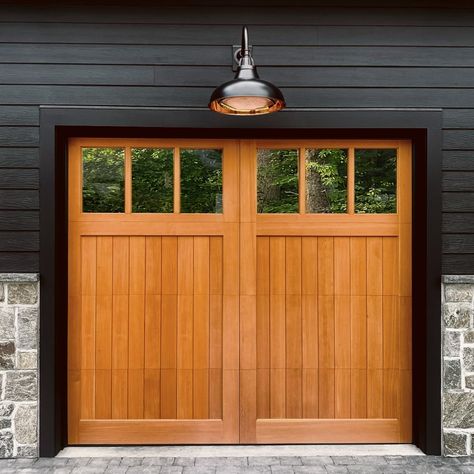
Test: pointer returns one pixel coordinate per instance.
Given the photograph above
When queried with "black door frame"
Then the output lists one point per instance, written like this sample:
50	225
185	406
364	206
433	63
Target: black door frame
422	126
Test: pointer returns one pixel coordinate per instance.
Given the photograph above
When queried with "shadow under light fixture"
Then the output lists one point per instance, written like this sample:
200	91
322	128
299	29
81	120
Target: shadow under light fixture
246	94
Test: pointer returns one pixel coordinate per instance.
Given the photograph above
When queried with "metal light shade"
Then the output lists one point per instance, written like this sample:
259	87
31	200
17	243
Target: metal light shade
246	94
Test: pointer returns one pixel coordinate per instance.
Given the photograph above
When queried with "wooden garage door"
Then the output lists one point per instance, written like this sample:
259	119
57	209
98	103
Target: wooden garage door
153	292
239	291
325	292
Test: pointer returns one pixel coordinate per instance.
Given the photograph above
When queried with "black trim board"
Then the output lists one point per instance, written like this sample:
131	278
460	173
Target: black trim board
423	127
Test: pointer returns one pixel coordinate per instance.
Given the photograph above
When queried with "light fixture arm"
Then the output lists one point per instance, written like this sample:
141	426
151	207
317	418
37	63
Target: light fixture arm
243	56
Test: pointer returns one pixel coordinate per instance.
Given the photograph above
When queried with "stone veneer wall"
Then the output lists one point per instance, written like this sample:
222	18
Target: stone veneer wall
458	365
19	295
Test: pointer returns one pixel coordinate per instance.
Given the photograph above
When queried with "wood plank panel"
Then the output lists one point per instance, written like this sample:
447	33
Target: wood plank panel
324	337
390	267
328	431
310	393
325	266
294	339
277	328
185	328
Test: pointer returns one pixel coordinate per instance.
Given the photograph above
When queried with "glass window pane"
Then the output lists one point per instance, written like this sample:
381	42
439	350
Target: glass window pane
375	181
326	180
201	180
152	180
103	181
277	181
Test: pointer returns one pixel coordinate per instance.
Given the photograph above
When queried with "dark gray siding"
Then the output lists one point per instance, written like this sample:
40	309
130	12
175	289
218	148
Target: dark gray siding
151	56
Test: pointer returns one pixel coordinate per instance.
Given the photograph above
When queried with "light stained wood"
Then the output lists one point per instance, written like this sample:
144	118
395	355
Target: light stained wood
342	395
238	327
118	432
328	431
310	393
103	391
342	332
326	332
374	266
375	393
153	302
326	266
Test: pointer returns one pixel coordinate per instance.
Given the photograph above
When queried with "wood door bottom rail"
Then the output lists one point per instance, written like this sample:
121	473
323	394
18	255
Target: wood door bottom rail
328	431
152	432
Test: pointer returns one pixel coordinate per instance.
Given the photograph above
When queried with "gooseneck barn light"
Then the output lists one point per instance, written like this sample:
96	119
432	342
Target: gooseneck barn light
246	94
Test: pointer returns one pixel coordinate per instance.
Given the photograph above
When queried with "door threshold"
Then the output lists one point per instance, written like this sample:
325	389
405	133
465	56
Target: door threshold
242	451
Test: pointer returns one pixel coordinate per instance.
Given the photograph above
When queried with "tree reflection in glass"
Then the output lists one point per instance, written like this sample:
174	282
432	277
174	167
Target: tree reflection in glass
326	180
376	181
277	181
103	183
152	180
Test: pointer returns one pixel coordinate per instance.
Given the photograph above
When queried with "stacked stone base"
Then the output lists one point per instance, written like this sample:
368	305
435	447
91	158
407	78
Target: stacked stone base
19	298
458	365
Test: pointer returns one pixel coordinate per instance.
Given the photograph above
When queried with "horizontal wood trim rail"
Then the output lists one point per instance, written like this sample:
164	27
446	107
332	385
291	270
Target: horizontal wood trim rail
328	431
148	228
328	229
152	431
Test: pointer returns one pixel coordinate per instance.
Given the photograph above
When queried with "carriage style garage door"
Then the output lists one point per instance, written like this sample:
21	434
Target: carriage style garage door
226	291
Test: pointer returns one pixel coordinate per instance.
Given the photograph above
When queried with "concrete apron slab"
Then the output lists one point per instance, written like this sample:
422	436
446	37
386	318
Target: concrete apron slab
242	451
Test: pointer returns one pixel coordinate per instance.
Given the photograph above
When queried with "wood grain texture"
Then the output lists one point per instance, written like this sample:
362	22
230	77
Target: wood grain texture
211	323
148	327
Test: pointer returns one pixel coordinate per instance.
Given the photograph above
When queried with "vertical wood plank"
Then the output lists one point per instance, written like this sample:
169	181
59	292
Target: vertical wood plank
374	266
103	349
135	394
88	317
294	342
342	393
342	336
215	394
310	393
201	328
374	332
103	394
169	302
325	266
310	331
119	393
168	393
326	394
185	327
326	356
120	286
359	332
277	328
136	355
375	393
136	328
169	259
358	266
152	353
151	395
309	265
358	393
153	266
326	332
342	266
390	282
391	332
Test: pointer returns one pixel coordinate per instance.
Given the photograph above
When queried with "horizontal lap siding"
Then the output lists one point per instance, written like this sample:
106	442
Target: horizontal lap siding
152	56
